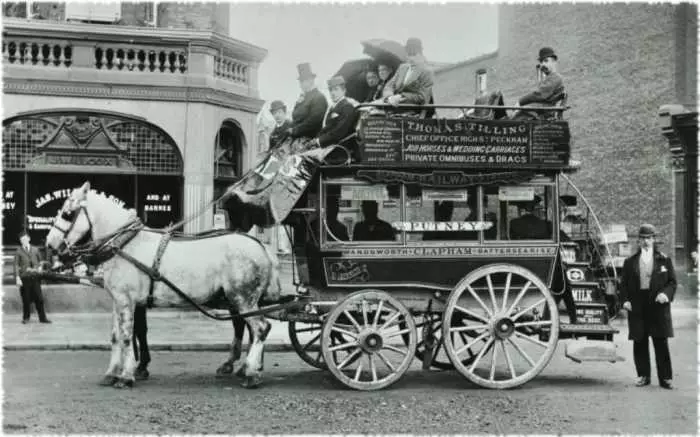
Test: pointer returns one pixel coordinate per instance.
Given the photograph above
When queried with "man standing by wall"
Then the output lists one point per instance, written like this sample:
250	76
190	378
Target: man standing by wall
647	288
27	261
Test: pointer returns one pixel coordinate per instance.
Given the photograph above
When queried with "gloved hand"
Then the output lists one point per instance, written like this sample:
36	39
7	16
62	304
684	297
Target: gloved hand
627	305
661	298
19	281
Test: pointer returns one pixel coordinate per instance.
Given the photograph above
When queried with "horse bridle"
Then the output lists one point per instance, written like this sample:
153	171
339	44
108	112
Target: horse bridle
72	218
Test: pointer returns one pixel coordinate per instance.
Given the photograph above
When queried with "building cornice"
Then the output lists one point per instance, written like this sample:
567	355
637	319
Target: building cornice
62	31
133	92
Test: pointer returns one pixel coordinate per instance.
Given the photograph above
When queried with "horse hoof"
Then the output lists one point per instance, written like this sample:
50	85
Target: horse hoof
108	381
141	374
241	371
225	369
124	383
252	381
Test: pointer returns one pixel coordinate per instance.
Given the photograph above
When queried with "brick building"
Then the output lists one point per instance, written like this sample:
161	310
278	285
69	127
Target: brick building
153	103
620	63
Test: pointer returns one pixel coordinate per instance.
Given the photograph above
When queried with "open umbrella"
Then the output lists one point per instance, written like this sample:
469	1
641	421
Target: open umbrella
385	51
354	74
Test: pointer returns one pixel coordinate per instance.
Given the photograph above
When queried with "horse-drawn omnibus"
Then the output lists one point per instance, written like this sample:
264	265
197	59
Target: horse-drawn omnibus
443	240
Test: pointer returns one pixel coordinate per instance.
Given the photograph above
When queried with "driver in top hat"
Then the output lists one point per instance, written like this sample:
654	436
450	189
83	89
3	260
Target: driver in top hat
308	112
340	119
550	89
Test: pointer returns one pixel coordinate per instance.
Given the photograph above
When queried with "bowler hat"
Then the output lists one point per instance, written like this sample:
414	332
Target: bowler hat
336	81
414	46
647	230
277	105
546	52
305	71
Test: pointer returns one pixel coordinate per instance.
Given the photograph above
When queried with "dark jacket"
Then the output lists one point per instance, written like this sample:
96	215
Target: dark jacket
279	134
307	116
25	260
547	92
530	227
380	231
647	316
339	123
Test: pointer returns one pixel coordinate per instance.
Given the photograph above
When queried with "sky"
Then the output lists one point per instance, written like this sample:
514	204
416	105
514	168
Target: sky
327	35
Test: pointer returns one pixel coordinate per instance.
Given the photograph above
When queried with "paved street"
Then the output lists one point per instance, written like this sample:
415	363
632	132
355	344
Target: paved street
57	392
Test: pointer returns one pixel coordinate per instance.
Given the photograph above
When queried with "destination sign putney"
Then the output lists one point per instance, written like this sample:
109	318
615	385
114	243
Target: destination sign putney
464	143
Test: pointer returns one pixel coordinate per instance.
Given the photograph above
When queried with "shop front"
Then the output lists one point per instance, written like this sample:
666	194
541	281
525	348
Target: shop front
47	155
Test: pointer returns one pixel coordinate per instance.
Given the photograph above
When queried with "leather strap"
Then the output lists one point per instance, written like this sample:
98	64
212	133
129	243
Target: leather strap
155	273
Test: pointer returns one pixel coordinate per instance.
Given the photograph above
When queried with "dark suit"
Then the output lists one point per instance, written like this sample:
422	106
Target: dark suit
378	231
339	123
649	318
529	227
31	285
307	116
279	134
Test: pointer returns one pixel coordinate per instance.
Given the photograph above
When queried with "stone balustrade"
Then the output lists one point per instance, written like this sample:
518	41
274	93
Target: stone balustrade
65	52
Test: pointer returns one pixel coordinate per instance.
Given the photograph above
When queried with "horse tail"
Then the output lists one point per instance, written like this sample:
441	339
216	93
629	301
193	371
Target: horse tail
274	285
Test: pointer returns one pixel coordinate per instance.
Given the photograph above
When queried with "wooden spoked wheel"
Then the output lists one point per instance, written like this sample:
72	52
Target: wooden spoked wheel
306	341
371	354
512	321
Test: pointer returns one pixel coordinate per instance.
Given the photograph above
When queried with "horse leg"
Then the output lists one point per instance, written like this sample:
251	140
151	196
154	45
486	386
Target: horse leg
114	368
259	327
140	344
236	346
126	327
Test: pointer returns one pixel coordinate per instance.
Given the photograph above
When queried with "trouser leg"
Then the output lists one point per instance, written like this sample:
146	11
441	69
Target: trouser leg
38	298
641	357
24	292
663	359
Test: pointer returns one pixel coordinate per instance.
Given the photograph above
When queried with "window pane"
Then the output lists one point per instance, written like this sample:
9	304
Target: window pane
434	215
521	212
13	207
364	213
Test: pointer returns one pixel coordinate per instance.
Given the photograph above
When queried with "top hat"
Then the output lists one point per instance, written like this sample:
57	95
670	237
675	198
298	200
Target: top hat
305	71
646	230
276	105
546	52
414	46
336	81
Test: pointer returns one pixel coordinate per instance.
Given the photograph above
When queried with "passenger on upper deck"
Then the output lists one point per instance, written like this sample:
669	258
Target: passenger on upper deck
372	79
372	228
340	119
385	73
549	91
528	226
413	81
307	116
282	123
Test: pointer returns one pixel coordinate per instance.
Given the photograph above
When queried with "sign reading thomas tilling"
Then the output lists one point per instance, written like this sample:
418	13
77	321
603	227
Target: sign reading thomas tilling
465	143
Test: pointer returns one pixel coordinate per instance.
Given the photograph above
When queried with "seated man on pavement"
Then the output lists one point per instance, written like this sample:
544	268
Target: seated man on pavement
340	120
549	91
528	226
413	82
372	228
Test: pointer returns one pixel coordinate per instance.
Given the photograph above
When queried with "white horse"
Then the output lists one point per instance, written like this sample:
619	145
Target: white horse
236	264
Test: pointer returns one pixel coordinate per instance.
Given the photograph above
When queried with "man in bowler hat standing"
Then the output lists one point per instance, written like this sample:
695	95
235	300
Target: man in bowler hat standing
282	123
646	290
307	116
340	119
27	261
548	91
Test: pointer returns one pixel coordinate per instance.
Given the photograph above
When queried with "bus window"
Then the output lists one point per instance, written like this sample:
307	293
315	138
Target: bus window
524	212
441	215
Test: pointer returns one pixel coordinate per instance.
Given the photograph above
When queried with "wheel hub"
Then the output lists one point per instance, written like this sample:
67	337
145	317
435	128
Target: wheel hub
503	328
371	341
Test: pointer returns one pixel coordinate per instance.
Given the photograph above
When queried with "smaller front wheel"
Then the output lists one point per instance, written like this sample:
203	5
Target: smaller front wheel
372	353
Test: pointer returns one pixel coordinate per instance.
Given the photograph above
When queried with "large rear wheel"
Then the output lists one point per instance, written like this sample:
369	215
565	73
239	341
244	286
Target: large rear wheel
512	321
